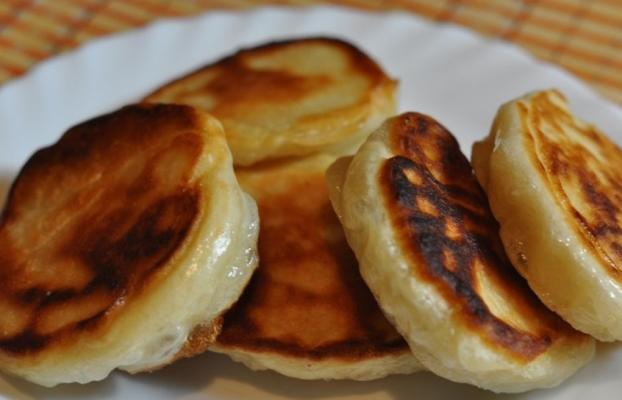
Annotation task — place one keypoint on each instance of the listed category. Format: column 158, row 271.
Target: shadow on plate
column 18, row 389
column 210, row 372
column 606, row 360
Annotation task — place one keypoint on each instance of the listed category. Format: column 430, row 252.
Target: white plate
column 444, row 71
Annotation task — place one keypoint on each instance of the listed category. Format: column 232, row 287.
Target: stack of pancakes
column 271, row 207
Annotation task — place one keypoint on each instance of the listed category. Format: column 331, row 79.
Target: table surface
column 582, row 36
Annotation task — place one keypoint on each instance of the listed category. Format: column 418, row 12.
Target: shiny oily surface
column 288, row 98
column 306, row 312
column 564, row 176
column 97, row 230
column 420, row 225
column 71, row 247
column 582, row 163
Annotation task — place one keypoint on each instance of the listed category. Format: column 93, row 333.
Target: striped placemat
column 583, row 36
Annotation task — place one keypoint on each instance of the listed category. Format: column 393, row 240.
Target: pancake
column 555, row 186
column 121, row 245
column 428, row 248
column 289, row 98
column 295, row 105
column 307, row 313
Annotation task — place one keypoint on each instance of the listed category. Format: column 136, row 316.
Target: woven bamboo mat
column 582, row 36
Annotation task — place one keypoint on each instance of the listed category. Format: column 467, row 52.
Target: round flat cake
column 429, row 249
column 289, row 98
column 555, row 186
column 121, row 245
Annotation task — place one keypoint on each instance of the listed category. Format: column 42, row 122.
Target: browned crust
column 442, row 221
column 199, row 340
column 563, row 160
column 106, row 235
column 236, row 81
column 306, row 300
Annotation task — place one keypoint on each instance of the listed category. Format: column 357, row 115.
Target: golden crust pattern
column 580, row 165
column 108, row 221
column 443, row 222
column 307, row 298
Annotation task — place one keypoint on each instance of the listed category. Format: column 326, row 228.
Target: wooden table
column 582, row 36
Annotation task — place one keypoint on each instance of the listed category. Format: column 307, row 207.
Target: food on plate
column 306, row 313
column 121, row 245
column 429, row 250
column 289, row 98
column 555, row 186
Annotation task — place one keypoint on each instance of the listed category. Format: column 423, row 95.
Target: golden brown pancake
column 289, row 98
column 121, row 245
column 556, row 188
column 307, row 313
column 419, row 223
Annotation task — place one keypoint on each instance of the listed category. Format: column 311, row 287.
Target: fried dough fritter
column 429, row 250
column 121, row 245
column 289, row 98
column 554, row 185
column 307, row 313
